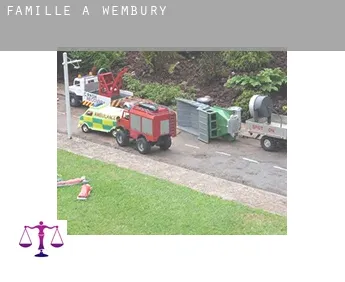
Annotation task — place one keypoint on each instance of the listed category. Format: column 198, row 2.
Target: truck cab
column 80, row 86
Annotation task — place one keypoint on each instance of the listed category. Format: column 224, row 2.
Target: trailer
column 272, row 128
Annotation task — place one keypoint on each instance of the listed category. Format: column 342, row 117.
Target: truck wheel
column 268, row 144
column 143, row 146
column 74, row 101
column 85, row 128
column 122, row 138
column 166, row 143
column 113, row 132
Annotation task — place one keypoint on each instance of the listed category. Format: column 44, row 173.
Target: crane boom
column 110, row 86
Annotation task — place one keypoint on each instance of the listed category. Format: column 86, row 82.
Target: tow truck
column 271, row 127
column 99, row 89
column 148, row 124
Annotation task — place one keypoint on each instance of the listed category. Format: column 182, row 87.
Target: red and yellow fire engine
column 148, row 124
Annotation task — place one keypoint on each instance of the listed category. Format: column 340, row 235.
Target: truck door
column 125, row 120
column 79, row 87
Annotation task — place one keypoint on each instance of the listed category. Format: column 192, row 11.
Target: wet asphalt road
column 243, row 161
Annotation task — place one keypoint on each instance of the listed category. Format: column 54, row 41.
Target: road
column 243, row 161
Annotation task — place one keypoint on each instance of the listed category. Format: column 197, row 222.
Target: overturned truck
column 208, row 122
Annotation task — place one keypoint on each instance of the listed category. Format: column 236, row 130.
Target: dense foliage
column 247, row 60
column 163, row 94
column 230, row 77
column 266, row 82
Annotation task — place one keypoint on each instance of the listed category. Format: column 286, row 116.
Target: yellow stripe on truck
column 97, row 126
column 88, row 119
column 107, row 122
column 87, row 103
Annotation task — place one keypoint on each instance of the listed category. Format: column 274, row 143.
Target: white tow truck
column 102, row 88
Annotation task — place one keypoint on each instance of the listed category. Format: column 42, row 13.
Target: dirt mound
column 188, row 73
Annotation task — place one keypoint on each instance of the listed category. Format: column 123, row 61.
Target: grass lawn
column 126, row 202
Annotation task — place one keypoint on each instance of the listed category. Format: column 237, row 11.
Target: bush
column 132, row 84
column 247, row 61
column 163, row 94
column 266, row 81
column 106, row 59
column 243, row 102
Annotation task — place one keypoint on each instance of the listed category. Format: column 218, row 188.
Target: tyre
column 166, row 143
column 113, row 133
column 74, row 100
column 143, row 146
column 268, row 143
column 85, row 128
column 122, row 138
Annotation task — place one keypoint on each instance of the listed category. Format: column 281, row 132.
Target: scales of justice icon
column 56, row 244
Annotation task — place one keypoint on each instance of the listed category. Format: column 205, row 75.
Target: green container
column 223, row 117
column 220, row 123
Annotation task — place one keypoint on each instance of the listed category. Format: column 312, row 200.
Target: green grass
column 126, row 202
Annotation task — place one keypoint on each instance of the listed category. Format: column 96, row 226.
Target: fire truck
column 148, row 124
column 102, row 88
